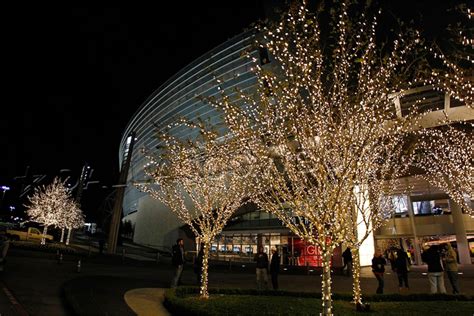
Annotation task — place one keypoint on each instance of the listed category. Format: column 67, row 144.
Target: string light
column 322, row 122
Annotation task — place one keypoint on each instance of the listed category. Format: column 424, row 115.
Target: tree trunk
column 62, row 235
column 68, row 236
column 356, row 290
column 326, row 283
column 45, row 231
column 204, row 271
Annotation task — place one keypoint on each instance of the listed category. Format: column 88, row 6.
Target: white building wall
column 155, row 224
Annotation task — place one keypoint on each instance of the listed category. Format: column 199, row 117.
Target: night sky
column 75, row 76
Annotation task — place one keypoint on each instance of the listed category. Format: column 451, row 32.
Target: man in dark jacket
column 262, row 269
column 435, row 270
column 378, row 268
column 275, row 268
column 177, row 260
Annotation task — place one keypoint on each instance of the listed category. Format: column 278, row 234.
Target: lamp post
column 122, row 184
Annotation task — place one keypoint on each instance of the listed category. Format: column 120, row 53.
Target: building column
column 259, row 241
column 416, row 241
column 461, row 237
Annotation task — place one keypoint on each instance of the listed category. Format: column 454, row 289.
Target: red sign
column 307, row 254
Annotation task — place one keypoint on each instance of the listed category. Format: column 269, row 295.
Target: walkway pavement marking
column 16, row 305
column 147, row 301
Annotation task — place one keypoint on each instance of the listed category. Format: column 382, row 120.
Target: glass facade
column 241, row 247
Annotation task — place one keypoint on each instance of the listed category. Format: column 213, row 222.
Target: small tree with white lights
column 72, row 218
column 48, row 204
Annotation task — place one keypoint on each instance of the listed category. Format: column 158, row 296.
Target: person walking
column 401, row 267
column 378, row 268
column 177, row 260
column 262, row 269
column 435, row 270
column 450, row 262
column 275, row 268
column 347, row 256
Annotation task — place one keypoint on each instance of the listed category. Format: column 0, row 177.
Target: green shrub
column 182, row 292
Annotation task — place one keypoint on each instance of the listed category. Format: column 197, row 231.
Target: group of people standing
column 262, row 268
column 439, row 258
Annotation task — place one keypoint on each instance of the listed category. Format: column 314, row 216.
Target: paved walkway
column 113, row 285
column 147, row 302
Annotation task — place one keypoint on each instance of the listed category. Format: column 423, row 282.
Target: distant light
column 5, row 188
column 460, row 273
column 311, row 270
column 424, row 273
column 285, row 269
column 243, row 266
column 119, row 186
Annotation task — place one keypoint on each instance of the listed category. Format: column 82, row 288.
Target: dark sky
column 74, row 76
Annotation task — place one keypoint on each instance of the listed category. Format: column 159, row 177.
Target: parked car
column 29, row 233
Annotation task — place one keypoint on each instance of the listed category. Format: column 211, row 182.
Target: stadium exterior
column 426, row 215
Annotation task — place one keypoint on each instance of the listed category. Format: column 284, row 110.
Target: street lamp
column 5, row 189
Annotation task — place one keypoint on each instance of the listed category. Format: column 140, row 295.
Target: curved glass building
column 178, row 97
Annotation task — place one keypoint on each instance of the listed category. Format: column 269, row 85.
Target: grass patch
column 48, row 247
column 183, row 302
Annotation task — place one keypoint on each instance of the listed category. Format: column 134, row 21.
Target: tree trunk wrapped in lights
column 201, row 179
column 373, row 207
column 48, row 204
column 323, row 122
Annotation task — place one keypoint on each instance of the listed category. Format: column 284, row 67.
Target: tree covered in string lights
column 445, row 158
column 449, row 67
column 72, row 218
column 322, row 121
column 201, row 179
column 48, row 205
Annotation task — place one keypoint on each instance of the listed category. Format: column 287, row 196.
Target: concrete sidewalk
column 147, row 301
